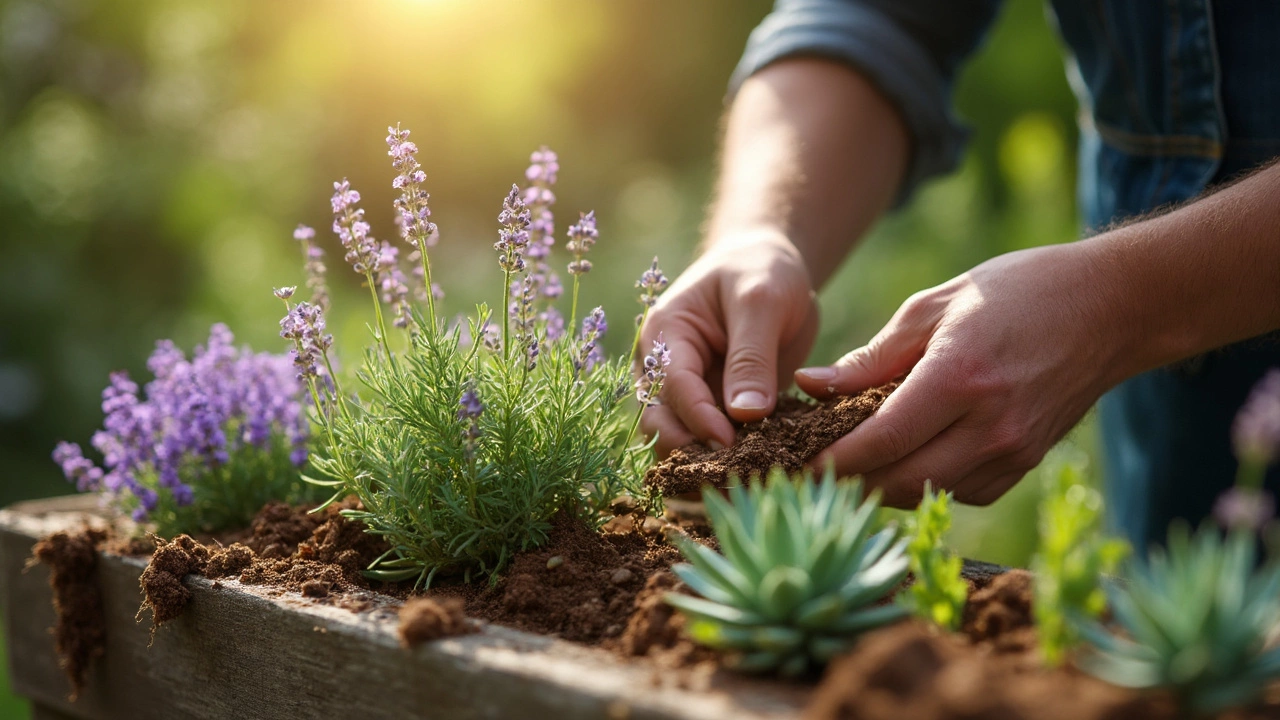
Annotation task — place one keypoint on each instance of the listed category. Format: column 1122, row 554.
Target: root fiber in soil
column 79, row 632
column 792, row 436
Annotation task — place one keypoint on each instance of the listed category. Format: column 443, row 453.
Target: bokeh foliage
column 155, row 154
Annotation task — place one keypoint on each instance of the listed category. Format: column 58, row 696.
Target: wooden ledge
column 248, row 652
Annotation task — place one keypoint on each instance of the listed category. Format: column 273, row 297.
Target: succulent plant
column 800, row 576
column 938, row 593
column 1195, row 619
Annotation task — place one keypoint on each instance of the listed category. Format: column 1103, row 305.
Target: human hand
column 738, row 322
column 1003, row 361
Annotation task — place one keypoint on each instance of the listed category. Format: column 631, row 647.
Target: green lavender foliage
column 1072, row 557
column 938, row 593
column 1195, row 619
column 800, row 576
column 548, row 441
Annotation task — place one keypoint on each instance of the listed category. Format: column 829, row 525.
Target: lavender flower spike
column 314, row 266
column 582, row 235
column 1244, row 508
column 412, row 210
column 590, row 353
column 513, row 238
column 651, row 283
column 304, row 325
column 1256, row 431
column 649, row 385
column 352, row 230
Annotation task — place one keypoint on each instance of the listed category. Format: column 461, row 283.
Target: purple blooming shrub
column 1255, row 436
column 465, row 437
column 208, row 442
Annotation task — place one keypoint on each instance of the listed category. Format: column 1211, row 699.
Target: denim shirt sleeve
column 910, row 49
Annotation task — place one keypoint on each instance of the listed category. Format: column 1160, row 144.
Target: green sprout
column 801, row 574
column 1069, row 564
column 938, row 593
column 1195, row 619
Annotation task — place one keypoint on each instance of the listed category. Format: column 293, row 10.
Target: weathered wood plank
column 241, row 652
column 246, row 652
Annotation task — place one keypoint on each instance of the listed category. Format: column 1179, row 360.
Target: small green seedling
column 801, row 576
column 938, row 593
column 1070, row 562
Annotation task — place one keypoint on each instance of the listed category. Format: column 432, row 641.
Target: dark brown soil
column 423, row 619
column 580, row 586
column 792, row 436
column 989, row 671
column 286, row 547
column 79, row 632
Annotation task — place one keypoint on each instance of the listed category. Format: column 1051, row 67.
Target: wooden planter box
column 246, row 652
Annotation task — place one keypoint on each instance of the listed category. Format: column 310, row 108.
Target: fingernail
column 715, row 445
column 749, row 400
column 818, row 374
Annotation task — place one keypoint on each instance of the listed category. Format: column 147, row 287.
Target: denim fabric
column 1176, row 96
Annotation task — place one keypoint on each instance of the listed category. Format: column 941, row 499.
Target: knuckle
column 748, row 360
column 1005, row 440
column 760, row 293
column 892, row 441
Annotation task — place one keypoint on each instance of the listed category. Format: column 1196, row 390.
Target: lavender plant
column 1197, row 618
column 800, row 576
column 1069, row 564
column 211, row 440
column 465, row 439
column 938, row 593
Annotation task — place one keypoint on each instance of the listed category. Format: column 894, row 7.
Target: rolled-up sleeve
column 910, row 49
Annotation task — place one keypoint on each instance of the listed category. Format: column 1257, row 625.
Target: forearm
column 1195, row 279
column 813, row 153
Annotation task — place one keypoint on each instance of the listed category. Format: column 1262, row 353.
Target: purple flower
column 513, row 238
column 649, row 385
column 412, row 210
column 469, row 411
column 197, row 414
column 582, row 235
column 553, row 324
column 590, row 354
column 651, row 283
column 314, row 265
column 285, row 293
column 1256, row 431
column 351, row 229
column 1244, row 508
column 392, row 284
column 304, row 325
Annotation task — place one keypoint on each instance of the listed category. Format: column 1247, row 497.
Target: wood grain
column 246, row 652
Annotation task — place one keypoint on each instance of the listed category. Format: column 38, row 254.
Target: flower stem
column 506, row 310
column 635, row 344
column 573, row 309
column 426, row 277
column 377, row 311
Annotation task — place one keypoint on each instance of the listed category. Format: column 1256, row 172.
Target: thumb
column 751, row 362
column 891, row 353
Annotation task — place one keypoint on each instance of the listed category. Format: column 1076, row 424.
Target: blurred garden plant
column 465, row 439
column 800, row 576
column 214, row 438
column 938, row 592
column 1196, row 618
column 1072, row 557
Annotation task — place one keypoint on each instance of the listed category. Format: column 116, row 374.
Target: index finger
column 915, row 413
column 686, row 391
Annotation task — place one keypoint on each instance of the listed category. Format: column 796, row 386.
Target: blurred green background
column 156, row 154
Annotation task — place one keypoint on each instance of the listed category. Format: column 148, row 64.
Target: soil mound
column 580, row 586
column 793, row 435
column 79, row 633
column 286, row 548
column 423, row 619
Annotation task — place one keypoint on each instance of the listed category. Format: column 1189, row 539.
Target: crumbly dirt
column 79, row 632
column 580, row 586
column 792, row 436
column 991, row 670
column 320, row 555
column 423, row 619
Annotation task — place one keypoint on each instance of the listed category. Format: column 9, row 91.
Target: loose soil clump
column 423, row 619
column 580, row 586
column 792, row 436
column 79, row 632
column 286, row 548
